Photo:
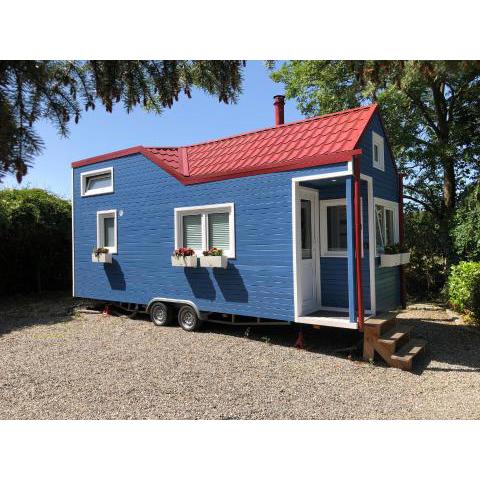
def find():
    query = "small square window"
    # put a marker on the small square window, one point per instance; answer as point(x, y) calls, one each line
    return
point(378, 151)
point(97, 182)
point(333, 227)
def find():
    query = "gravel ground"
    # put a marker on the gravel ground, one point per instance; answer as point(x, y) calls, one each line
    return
point(59, 365)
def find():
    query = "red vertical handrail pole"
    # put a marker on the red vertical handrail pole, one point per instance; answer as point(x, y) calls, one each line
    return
point(401, 234)
point(358, 240)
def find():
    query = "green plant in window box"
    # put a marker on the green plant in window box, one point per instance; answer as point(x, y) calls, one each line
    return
point(214, 258)
point(213, 252)
point(394, 255)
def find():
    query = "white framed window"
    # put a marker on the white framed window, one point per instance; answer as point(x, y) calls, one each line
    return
point(96, 182)
point(333, 227)
point(107, 230)
point(386, 224)
point(378, 151)
point(205, 227)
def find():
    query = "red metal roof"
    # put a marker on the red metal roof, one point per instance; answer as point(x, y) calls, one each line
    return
point(316, 141)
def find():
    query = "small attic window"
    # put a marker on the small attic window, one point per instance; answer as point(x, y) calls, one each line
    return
point(97, 182)
point(378, 151)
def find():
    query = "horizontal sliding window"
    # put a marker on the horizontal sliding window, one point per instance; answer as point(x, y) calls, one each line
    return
point(205, 227)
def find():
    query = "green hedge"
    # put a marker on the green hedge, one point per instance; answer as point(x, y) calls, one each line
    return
point(35, 241)
point(464, 289)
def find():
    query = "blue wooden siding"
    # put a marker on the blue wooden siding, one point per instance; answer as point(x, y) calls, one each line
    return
point(385, 185)
point(387, 281)
point(258, 282)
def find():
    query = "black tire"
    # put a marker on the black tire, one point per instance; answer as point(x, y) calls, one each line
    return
point(188, 319)
point(160, 314)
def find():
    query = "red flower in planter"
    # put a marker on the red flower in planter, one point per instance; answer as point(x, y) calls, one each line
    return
point(184, 252)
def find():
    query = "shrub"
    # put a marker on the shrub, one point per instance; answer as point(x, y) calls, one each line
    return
point(464, 289)
point(35, 239)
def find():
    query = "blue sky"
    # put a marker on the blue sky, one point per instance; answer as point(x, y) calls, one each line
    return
point(189, 121)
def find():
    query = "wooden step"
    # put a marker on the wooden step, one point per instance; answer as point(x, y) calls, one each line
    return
point(379, 325)
point(395, 338)
point(404, 357)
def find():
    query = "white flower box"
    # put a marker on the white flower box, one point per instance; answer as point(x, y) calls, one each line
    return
point(102, 258)
point(390, 260)
point(214, 261)
point(394, 260)
point(190, 262)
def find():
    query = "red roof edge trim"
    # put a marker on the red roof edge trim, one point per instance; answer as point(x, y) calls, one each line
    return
point(317, 160)
point(108, 156)
point(125, 152)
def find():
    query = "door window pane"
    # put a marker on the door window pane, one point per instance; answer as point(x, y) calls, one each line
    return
point(192, 231)
point(337, 228)
point(219, 230)
point(306, 227)
point(109, 232)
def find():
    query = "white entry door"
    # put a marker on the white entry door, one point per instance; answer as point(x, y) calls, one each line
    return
point(308, 250)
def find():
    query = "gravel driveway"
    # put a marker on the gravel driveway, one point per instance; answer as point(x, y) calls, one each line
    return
point(55, 365)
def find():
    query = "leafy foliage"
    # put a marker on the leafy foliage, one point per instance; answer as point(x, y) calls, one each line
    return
point(58, 91)
point(35, 234)
point(464, 289)
point(466, 231)
point(432, 114)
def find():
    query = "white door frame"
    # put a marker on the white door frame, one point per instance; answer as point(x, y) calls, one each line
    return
point(309, 193)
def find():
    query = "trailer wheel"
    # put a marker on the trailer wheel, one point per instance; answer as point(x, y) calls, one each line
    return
point(160, 314)
point(188, 319)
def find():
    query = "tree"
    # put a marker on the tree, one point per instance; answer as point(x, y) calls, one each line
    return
point(59, 91)
point(432, 114)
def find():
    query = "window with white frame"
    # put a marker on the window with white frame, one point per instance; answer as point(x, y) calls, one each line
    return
point(378, 151)
point(386, 224)
point(205, 227)
point(107, 230)
point(96, 182)
point(333, 227)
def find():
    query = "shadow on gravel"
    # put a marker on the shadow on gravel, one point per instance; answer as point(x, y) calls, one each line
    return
point(327, 341)
point(19, 312)
point(455, 346)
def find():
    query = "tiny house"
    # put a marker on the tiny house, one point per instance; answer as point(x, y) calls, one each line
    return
point(298, 214)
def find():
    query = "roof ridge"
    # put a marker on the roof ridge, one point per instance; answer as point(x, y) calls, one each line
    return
point(296, 122)
point(264, 129)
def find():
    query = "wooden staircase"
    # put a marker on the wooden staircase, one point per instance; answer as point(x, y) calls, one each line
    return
point(391, 341)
